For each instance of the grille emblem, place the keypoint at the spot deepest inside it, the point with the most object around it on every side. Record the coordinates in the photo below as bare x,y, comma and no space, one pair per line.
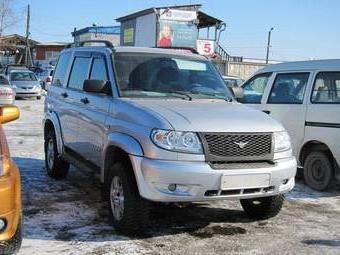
241,144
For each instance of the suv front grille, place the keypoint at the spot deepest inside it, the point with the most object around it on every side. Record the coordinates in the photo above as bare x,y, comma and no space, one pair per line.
237,146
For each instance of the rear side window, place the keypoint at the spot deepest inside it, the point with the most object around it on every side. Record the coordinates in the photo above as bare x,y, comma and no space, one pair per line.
98,71
288,88
254,88
61,69
326,89
79,72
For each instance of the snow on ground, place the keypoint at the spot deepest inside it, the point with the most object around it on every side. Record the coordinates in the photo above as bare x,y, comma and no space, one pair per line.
69,216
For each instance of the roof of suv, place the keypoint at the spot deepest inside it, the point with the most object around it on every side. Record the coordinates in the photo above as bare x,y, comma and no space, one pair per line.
133,49
325,64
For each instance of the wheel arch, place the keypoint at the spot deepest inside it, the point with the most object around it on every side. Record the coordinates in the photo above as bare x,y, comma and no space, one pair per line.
51,121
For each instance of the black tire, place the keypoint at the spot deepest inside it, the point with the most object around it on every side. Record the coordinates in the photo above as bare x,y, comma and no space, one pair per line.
135,214
264,207
318,170
13,245
57,168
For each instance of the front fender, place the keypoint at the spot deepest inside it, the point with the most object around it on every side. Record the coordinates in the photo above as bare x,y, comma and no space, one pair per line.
53,117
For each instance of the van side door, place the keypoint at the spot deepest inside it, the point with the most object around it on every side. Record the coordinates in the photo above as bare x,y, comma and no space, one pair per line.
323,113
287,103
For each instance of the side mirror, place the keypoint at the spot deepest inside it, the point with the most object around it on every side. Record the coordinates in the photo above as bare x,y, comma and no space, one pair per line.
238,92
97,86
8,113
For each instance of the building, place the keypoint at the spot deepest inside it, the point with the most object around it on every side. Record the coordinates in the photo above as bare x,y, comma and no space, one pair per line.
108,33
47,53
13,49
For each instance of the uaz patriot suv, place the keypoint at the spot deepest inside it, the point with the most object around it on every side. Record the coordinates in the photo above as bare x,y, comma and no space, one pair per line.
160,125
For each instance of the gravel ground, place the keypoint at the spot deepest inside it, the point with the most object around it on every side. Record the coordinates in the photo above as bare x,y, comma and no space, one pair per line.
69,217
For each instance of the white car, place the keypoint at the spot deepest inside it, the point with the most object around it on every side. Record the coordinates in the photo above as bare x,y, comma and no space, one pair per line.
7,95
25,83
305,97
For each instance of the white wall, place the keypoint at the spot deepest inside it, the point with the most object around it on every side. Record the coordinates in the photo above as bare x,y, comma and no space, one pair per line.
146,30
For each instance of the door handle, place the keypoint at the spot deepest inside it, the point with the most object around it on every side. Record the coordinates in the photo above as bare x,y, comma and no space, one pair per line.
64,94
266,111
85,100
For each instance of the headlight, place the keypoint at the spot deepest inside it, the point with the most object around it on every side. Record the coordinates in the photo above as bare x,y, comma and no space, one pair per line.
187,142
281,141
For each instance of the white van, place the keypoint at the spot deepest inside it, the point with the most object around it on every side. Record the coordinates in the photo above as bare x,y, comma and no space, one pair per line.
305,97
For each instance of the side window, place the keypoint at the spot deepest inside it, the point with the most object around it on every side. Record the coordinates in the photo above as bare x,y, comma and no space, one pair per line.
288,88
326,89
98,71
254,88
79,72
61,69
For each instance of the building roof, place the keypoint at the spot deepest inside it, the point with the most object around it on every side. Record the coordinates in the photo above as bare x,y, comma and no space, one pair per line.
18,38
325,64
98,29
189,7
57,44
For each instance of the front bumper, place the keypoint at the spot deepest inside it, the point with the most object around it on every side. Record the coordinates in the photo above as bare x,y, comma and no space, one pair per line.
197,181
10,206
27,92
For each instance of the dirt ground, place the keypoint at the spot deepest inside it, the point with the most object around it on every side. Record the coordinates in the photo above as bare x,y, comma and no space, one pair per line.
69,217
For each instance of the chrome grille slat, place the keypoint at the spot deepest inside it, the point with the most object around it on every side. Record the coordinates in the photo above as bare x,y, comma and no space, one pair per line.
225,146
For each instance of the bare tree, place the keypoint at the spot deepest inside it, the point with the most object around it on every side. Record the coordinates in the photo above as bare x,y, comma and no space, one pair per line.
7,15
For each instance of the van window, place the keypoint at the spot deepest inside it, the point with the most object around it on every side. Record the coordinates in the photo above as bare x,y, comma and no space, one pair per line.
288,88
61,69
79,72
98,71
326,89
254,88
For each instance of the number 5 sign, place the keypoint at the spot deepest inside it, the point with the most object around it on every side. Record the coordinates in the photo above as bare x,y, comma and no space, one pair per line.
206,47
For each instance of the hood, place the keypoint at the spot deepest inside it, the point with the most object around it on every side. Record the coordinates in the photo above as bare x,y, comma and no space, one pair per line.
210,115
21,84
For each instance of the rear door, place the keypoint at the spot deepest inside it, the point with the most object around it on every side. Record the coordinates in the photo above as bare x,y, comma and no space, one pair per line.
323,114
287,103
72,103
92,113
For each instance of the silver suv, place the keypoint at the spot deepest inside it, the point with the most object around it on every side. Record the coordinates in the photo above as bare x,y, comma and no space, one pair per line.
159,125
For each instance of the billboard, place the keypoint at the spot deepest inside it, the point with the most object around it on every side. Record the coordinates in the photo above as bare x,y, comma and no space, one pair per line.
177,34
179,15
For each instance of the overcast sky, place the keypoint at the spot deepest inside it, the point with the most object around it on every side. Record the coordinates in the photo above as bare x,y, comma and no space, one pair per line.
303,29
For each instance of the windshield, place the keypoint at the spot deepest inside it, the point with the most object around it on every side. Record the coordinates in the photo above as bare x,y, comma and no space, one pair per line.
160,75
23,76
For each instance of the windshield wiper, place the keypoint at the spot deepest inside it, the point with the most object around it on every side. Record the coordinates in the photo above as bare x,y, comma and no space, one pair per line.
180,93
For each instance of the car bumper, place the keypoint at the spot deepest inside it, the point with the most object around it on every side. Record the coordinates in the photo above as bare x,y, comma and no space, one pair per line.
10,197
28,92
6,101
198,181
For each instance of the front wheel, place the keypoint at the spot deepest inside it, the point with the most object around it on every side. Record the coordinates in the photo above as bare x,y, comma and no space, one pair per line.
318,170
263,207
129,212
55,166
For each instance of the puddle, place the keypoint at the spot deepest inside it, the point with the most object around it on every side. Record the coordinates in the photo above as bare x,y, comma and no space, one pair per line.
209,232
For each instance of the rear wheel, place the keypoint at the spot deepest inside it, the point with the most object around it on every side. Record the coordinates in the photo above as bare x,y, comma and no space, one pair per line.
55,166
318,170
13,245
129,211
263,207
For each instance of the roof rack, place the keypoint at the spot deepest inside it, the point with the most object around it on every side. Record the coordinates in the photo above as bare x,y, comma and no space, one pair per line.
82,43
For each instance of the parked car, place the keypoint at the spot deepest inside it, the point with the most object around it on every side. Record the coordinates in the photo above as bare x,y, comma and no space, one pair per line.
305,97
25,83
233,81
7,95
46,78
162,126
10,190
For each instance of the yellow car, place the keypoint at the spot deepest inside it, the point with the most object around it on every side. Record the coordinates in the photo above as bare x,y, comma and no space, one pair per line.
10,190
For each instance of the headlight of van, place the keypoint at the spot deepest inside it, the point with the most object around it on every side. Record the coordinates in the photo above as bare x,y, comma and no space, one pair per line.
187,142
281,141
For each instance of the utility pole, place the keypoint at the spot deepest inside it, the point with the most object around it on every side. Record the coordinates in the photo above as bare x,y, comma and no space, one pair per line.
27,48
268,43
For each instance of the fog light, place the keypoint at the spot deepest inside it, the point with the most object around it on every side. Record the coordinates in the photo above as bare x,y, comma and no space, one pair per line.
2,225
172,187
